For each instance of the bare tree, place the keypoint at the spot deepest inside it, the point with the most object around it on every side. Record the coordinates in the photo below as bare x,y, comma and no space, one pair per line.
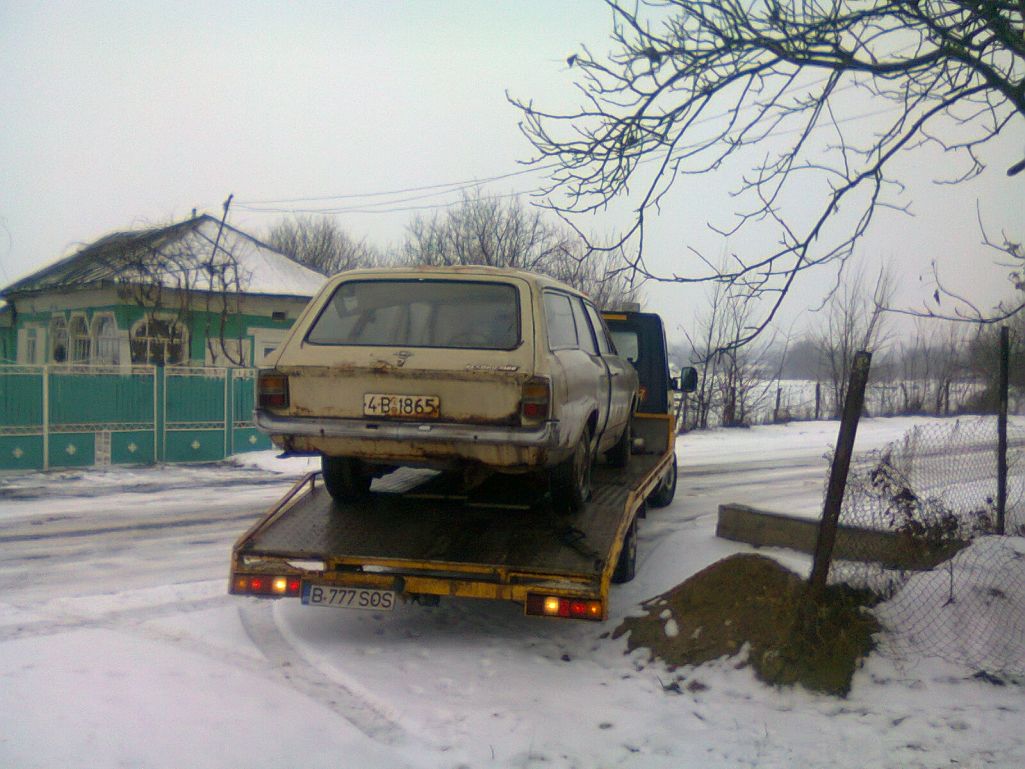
504,233
692,83
854,321
733,380
320,244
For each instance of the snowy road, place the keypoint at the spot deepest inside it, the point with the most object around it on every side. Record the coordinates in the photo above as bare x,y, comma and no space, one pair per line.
114,623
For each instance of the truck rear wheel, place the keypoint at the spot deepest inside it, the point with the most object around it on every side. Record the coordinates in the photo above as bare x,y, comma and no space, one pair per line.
626,566
571,480
345,478
666,490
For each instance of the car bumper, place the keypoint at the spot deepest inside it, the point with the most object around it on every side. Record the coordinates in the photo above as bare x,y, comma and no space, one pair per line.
495,445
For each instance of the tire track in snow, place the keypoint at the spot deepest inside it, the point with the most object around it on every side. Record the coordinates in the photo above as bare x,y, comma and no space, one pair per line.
305,678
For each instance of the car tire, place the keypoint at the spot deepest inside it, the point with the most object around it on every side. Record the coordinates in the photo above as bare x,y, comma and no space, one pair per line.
345,478
626,566
619,455
666,490
571,481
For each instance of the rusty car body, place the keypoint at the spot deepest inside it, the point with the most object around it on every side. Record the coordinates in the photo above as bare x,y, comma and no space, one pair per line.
471,368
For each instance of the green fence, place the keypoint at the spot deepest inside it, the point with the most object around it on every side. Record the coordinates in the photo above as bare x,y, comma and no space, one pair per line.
74,416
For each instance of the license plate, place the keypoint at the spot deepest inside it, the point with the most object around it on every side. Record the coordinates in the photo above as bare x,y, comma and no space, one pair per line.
409,406
367,599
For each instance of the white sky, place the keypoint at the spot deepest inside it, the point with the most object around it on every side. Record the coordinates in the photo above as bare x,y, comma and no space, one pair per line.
121,115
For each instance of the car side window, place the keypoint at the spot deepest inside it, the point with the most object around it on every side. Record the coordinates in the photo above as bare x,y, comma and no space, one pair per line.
601,332
585,334
562,329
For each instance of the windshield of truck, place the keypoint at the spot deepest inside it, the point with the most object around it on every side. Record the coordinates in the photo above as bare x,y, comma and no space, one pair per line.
420,313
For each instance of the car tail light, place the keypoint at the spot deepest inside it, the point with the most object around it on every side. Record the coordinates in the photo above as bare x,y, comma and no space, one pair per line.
568,608
266,585
535,398
272,390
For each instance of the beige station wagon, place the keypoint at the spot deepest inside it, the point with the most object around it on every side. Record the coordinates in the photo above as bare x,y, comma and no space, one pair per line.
457,368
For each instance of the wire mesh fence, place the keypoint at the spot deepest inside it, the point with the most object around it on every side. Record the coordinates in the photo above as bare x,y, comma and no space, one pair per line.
954,588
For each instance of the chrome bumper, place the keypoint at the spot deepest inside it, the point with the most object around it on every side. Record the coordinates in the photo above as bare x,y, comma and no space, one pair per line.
545,436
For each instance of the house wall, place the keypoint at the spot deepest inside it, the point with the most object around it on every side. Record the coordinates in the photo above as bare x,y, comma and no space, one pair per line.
258,324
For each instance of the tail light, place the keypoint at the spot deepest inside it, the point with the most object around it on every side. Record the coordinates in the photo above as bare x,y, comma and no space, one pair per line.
535,399
266,585
569,608
272,390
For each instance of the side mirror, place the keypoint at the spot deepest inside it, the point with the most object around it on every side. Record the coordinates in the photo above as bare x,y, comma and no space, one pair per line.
687,382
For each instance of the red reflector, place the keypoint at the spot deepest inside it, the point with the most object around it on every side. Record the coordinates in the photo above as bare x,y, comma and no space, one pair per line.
535,410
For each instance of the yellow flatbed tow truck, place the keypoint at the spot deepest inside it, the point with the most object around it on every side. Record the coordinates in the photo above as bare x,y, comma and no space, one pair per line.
419,536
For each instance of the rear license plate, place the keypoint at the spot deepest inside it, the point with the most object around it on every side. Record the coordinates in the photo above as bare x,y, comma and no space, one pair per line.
409,406
364,598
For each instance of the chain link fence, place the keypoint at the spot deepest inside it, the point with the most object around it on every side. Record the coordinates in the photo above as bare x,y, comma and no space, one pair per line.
952,587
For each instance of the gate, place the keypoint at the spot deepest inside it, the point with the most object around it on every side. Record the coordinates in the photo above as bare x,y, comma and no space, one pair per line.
74,416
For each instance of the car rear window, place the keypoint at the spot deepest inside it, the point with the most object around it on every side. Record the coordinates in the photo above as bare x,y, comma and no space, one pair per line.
420,313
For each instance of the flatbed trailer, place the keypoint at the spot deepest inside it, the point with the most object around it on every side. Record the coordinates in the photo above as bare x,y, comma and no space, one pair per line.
418,537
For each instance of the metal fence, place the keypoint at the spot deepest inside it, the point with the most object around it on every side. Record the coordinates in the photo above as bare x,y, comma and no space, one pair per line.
935,492
75,416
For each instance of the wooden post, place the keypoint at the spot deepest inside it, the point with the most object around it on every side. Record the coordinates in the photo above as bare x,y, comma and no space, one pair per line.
818,400
838,473
775,413
1002,387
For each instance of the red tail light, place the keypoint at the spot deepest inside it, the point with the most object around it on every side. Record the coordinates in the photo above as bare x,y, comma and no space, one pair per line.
570,608
272,390
535,399
266,585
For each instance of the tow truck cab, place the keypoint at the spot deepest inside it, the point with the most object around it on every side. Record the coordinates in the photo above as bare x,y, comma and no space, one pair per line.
640,338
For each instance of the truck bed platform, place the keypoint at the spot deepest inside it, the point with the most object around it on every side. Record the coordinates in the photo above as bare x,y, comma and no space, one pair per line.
407,519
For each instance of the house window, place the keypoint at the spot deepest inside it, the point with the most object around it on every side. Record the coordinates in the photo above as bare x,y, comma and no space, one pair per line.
58,340
159,341
29,354
106,343
81,341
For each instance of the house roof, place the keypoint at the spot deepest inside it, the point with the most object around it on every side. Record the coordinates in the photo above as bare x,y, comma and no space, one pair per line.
179,256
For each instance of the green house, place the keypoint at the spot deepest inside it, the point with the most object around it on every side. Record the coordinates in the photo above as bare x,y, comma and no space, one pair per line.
142,346
196,292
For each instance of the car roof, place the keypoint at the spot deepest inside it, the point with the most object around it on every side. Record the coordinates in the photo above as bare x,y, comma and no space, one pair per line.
455,271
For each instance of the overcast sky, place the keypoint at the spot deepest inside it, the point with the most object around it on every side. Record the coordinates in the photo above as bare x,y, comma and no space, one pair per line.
119,115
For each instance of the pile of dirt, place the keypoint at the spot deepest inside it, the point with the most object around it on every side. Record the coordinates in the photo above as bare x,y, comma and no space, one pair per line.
751,603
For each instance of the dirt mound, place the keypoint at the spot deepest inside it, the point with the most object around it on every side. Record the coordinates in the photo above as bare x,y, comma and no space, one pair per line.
752,601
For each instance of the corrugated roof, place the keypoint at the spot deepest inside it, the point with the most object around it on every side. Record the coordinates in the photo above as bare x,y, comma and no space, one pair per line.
180,256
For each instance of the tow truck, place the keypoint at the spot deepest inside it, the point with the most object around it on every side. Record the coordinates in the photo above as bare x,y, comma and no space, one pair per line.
421,535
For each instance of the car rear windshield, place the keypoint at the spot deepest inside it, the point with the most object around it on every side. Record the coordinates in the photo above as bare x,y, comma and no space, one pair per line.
420,313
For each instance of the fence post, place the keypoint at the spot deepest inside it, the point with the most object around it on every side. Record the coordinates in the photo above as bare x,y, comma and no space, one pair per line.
775,411
818,400
838,472
1002,386
46,417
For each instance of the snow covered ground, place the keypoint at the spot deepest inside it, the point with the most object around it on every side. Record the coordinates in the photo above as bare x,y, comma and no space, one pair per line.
120,648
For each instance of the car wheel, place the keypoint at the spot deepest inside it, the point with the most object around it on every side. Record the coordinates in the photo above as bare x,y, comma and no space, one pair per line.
666,490
619,455
571,480
345,478
626,566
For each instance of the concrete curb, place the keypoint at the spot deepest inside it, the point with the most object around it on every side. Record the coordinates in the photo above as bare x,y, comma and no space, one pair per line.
892,550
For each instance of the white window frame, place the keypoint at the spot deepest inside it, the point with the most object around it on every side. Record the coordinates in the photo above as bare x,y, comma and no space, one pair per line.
58,329
172,322
102,343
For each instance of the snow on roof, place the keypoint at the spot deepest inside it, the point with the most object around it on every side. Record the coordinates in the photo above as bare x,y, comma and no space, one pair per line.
197,254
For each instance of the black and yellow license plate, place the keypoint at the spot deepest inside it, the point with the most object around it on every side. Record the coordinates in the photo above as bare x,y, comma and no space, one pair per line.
407,406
